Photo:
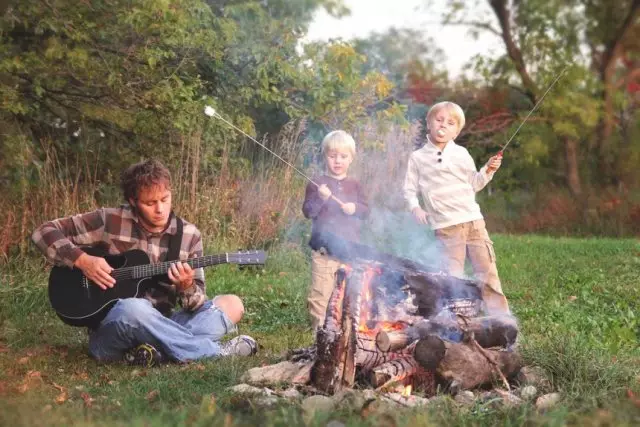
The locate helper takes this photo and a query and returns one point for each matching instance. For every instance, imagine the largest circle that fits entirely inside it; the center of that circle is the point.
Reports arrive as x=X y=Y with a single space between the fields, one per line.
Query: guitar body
x=79 y=302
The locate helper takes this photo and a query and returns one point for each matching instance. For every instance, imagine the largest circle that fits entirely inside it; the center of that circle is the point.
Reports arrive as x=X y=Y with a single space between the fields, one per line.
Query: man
x=144 y=331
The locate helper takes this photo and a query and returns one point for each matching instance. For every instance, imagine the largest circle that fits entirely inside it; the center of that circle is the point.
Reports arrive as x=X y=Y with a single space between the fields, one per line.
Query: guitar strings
x=162 y=267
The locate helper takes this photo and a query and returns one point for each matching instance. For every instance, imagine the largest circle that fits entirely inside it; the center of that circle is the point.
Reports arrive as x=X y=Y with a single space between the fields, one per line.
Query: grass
x=576 y=300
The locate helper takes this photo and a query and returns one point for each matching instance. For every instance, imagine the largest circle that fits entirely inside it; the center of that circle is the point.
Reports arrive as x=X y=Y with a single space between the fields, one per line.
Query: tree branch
x=612 y=49
x=504 y=14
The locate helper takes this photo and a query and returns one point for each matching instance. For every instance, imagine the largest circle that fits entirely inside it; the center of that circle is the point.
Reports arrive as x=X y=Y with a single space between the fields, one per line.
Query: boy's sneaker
x=242 y=345
x=144 y=355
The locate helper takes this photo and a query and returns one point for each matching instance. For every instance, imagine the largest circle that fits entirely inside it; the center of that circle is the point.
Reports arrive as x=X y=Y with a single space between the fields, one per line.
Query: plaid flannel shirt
x=119 y=230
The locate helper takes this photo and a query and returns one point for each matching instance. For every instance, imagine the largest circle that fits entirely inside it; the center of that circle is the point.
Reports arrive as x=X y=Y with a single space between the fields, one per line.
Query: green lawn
x=576 y=299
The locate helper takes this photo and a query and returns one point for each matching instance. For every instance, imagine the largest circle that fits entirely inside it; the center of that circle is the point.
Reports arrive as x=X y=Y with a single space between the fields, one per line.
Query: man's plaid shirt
x=118 y=230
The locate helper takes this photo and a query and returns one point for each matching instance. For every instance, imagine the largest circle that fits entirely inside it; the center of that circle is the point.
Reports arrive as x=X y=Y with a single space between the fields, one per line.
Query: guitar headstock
x=253 y=257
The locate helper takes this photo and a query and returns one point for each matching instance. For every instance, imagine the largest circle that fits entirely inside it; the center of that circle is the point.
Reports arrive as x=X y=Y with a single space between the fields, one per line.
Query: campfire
x=397 y=330
x=396 y=326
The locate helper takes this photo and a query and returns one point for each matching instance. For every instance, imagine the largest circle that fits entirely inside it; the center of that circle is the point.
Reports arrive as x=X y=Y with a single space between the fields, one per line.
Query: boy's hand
x=494 y=163
x=349 y=208
x=324 y=192
x=420 y=215
x=181 y=274
x=96 y=269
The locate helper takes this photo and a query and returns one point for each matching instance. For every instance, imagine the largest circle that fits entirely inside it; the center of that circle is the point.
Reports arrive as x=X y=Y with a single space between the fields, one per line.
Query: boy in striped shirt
x=445 y=176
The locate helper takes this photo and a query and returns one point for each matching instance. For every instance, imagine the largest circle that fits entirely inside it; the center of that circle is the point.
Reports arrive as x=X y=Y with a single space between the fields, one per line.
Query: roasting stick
x=211 y=112
x=501 y=152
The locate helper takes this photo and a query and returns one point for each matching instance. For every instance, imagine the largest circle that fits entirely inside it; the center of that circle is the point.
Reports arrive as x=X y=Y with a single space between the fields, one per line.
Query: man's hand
x=324 y=192
x=420 y=215
x=494 y=163
x=349 y=208
x=96 y=269
x=181 y=274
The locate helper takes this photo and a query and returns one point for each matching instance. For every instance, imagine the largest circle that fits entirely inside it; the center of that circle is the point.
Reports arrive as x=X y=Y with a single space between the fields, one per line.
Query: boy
x=329 y=216
x=444 y=174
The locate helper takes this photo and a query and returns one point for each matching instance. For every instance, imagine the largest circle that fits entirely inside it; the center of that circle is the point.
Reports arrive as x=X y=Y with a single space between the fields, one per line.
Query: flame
x=366 y=307
x=367 y=297
x=406 y=392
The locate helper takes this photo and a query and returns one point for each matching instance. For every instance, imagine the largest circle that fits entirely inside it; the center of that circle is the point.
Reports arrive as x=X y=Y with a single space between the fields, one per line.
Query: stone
x=349 y=399
x=509 y=399
x=266 y=401
x=465 y=398
x=535 y=376
x=313 y=404
x=528 y=392
x=283 y=372
x=249 y=389
x=291 y=393
x=410 y=401
x=548 y=401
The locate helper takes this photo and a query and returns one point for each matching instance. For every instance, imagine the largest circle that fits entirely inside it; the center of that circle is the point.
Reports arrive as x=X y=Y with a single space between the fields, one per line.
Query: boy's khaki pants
x=323 y=280
x=471 y=238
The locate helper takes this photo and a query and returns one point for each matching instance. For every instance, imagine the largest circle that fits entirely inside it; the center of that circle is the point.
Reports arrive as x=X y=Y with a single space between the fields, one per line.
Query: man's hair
x=453 y=108
x=143 y=175
x=339 y=139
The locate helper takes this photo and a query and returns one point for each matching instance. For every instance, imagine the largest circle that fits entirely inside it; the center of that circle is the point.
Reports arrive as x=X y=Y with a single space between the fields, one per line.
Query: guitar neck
x=147 y=270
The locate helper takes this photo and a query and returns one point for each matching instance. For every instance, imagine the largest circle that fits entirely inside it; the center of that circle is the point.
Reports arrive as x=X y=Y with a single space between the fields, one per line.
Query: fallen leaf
x=81 y=375
x=58 y=387
x=47 y=408
x=152 y=395
x=34 y=375
x=633 y=398
x=572 y=298
x=62 y=397
x=88 y=400
x=23 y=360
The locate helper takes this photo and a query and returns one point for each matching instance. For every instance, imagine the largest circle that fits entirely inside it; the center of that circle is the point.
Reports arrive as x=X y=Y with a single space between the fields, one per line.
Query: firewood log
x=429 y=352
x=465 y=367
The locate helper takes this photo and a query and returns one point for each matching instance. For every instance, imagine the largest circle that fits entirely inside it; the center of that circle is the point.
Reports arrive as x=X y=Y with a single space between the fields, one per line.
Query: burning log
x=393 y=371
x=429 y=352
x=369 y=355
x=490 y=331
x=393 y=340
x=329 y=341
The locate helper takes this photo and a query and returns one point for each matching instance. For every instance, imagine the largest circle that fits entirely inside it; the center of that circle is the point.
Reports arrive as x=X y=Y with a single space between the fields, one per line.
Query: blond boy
x=445 y=175
x=342 y=217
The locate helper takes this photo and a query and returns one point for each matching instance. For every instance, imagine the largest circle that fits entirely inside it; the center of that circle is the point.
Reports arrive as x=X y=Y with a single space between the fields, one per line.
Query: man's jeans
x=183 y=337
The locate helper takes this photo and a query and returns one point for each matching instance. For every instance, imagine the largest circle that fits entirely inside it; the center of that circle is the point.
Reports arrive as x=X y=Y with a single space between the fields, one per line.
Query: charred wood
x=393 y=340
x=393 y=371
x=464 y=367
x=489 y=331
x=429 y=352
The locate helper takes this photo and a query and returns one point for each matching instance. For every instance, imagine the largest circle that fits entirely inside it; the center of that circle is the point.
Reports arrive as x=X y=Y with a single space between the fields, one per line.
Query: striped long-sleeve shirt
x=447 y=180
x=118 y=230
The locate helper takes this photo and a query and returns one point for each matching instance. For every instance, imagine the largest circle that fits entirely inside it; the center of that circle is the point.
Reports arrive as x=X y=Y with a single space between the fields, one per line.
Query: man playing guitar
x=145 y=330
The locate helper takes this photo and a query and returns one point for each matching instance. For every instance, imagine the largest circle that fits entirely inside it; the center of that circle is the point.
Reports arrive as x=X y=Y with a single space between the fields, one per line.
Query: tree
x=541 y=39
x=612 y=34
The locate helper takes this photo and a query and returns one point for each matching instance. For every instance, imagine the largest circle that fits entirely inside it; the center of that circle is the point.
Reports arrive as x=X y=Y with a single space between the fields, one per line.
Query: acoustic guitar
x=80 y=302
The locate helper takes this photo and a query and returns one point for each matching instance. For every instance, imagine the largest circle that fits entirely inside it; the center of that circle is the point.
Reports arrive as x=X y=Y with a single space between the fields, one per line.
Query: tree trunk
x=572 y=170
x=608 y=60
